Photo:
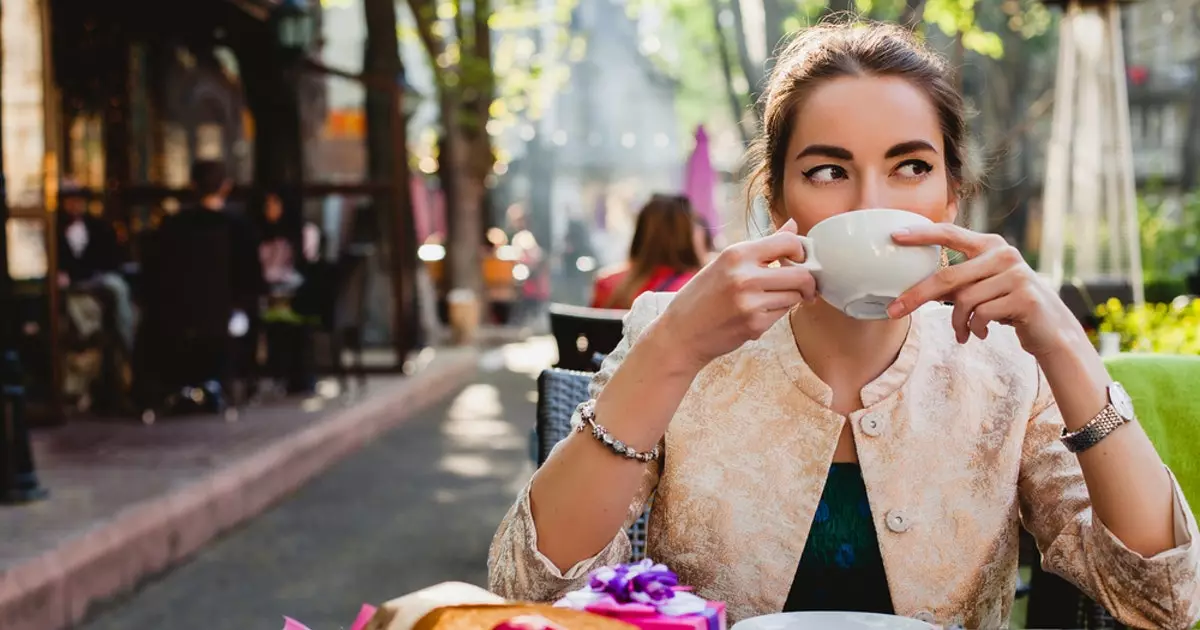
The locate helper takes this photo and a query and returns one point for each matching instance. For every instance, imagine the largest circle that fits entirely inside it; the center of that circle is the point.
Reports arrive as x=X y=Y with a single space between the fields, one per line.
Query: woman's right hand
x=737 y=297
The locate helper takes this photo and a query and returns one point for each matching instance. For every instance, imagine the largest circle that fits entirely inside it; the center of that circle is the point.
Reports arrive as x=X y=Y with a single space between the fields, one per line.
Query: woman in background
x=662 y=257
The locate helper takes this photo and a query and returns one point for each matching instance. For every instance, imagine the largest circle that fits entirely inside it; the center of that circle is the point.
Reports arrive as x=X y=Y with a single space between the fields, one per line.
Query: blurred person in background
x=89 y=255
x=275 y=251
x=576 y=266
x=97 y=302
x=203 y=283
x=297 y=283
x=662 y=257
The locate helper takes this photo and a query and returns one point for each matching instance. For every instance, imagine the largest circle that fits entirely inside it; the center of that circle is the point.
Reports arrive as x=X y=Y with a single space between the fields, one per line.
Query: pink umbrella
x=700 y=181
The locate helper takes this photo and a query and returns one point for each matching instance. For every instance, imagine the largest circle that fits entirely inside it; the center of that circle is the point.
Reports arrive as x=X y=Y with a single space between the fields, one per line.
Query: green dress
x=841 y=567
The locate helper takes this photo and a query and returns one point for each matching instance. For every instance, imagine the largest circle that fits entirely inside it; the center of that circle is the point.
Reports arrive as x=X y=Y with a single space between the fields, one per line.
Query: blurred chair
x=1163 y=391
x=560 y=392
x=582 y=332
x=1082 y=299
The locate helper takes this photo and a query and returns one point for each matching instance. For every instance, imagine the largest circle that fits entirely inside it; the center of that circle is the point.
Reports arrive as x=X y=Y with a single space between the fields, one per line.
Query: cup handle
x=810 y=258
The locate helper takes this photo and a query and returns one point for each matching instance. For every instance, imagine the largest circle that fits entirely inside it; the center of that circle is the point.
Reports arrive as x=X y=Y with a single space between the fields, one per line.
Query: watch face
x=1120 y=401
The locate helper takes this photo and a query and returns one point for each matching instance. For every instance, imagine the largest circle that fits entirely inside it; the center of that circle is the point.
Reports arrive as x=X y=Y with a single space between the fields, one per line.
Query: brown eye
x=914 y=168
x=825 y=174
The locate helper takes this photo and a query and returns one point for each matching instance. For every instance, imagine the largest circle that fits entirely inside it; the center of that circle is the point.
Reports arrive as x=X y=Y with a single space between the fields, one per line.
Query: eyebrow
x=838 y=153
x=912 y=146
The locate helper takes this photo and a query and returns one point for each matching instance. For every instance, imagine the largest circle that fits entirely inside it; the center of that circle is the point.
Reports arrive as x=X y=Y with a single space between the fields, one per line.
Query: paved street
x=417 y=507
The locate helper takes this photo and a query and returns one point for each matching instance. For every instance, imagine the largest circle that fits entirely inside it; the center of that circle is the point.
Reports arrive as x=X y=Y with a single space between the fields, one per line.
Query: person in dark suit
x=87 y=245
x=203 y=284
x=96 y=301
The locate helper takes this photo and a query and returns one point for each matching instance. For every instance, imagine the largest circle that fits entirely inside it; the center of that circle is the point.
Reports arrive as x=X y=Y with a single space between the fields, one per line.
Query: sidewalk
x=128 y=500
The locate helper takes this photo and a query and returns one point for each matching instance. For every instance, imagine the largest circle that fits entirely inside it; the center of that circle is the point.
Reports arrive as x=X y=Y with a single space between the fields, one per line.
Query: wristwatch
x=1118 y=412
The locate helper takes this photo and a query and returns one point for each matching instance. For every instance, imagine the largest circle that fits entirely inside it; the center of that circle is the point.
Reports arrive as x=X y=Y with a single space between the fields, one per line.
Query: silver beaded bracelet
x=587 y=412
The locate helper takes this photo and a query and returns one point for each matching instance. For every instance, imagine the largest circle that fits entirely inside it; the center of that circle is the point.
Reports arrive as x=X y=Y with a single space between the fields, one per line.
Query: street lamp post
x=18 y=477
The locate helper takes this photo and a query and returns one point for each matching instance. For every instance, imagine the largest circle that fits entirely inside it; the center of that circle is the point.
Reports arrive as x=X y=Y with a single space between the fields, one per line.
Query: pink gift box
x=647 y=618
x=364 y=615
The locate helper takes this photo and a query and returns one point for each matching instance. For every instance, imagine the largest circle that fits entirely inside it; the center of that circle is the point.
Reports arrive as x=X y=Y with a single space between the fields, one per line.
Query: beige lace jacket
x=959 y=446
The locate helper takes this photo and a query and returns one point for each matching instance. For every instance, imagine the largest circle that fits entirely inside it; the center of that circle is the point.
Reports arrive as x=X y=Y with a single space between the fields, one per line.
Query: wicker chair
x=560 y=392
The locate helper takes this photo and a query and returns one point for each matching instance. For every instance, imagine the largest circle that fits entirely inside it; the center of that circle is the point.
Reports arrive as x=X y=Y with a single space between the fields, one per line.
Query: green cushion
x=1166 y=394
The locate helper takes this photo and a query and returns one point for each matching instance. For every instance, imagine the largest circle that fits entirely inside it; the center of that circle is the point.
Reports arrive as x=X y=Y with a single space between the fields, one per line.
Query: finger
x=779 y=300
x=948 y=235
x=785 y=278
x=778 y=246
x=969 y=298
x=1002 y=309
x=941 y=284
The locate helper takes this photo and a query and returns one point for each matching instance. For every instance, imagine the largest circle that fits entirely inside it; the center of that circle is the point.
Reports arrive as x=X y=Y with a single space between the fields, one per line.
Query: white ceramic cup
x=858 y=268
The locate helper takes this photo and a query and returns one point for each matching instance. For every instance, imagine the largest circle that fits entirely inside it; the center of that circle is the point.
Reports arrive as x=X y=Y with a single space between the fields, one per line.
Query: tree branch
x=425 y=15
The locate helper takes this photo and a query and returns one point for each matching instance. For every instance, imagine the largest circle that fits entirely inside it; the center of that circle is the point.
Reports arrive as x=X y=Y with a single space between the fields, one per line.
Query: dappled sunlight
x=477 y=401
x=530 y=356
x=476 y=427
x=465 y=465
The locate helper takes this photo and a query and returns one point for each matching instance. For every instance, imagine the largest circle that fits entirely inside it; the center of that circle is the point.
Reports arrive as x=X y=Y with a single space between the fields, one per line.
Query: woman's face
x=865 y=142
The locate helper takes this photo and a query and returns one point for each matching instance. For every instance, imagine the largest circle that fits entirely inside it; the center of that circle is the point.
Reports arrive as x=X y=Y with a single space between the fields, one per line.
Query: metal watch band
x=1105 y=422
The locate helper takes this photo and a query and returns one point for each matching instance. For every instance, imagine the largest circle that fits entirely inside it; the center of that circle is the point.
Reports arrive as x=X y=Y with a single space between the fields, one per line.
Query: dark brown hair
x=834 y=50
x=208 y=177
x=662 y=238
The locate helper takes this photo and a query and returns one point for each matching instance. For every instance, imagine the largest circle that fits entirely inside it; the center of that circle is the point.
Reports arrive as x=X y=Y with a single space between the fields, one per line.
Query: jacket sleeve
x=1160 y=592
x=516 y=569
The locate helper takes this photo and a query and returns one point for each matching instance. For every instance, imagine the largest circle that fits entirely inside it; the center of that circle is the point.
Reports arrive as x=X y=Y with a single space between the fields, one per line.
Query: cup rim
x=869 y=211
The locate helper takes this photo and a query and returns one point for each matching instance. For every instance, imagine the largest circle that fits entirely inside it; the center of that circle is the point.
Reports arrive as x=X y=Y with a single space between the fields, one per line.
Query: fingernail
x=895 y=309
x=901 y=232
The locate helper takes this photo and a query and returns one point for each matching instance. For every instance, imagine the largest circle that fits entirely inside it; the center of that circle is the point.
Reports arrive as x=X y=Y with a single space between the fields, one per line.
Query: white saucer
x=830 y=620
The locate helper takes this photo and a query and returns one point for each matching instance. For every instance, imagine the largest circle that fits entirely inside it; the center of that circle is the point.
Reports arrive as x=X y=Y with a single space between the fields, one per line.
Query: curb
x=55 y=590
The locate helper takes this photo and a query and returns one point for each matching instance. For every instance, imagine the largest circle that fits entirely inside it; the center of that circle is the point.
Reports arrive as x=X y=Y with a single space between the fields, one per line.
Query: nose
x=872 y=191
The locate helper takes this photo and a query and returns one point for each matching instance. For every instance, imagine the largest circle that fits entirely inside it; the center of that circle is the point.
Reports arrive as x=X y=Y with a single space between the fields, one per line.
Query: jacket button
x=897 y=521
x=871 y=426
x=925 y=616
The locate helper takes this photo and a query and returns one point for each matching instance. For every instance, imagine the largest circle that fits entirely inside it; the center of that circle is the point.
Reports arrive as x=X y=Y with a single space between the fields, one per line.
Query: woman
x=275 y=248
x=662 y=257
x=889 y=462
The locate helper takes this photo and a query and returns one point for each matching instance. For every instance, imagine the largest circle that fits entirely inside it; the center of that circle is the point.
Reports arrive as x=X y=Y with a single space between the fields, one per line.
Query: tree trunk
x=463 y=219
x=271 y=93
x=387 y=161
x=914 y=14
x=774 y=15
x=735 y=101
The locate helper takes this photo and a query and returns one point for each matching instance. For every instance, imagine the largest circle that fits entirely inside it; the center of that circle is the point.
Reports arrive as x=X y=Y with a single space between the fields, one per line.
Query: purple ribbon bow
x=634 y=587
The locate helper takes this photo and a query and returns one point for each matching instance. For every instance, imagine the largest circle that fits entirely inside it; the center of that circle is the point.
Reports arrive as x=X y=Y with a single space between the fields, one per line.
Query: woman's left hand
x=994 y=284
